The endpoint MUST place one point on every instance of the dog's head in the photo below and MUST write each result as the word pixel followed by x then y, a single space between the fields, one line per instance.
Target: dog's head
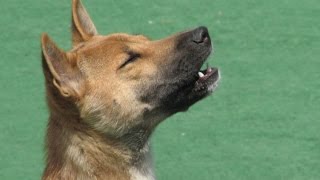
pixel 121 81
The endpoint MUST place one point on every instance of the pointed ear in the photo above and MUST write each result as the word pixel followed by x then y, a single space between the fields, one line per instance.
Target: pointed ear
pixel 82 25
pixel 63 67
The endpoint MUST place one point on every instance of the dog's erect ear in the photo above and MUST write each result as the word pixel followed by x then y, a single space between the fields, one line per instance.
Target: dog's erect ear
pixel 82 25
pixel 63 67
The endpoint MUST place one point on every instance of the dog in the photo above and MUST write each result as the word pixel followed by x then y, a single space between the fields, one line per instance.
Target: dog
pixel 108 93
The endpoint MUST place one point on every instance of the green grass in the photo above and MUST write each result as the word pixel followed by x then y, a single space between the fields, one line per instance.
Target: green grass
pixel 263 122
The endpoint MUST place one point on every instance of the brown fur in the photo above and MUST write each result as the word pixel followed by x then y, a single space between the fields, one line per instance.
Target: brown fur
pixel 99 126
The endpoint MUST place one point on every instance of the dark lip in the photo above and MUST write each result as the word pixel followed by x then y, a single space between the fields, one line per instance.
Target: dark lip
pixel 209 72
pixel 211 78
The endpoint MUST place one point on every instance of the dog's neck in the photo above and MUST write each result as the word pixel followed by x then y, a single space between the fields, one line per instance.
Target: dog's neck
pixel 76 151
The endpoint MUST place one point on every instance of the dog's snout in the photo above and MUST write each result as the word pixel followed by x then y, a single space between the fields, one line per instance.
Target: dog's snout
pixel 200 35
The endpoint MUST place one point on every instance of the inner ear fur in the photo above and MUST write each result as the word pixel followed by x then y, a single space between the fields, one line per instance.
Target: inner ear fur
pixel 82 26
pixel 63 67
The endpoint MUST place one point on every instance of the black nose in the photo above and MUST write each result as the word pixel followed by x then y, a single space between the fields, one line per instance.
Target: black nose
pixel 200 35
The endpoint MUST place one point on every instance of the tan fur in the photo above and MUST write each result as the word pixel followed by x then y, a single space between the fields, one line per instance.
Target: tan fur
pixel 108 93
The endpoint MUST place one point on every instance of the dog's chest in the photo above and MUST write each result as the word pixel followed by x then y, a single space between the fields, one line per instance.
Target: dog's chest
pixel 144 169
pixel 141 175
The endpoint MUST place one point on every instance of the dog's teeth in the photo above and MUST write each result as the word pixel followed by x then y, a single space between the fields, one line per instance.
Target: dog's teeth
pixel 200 74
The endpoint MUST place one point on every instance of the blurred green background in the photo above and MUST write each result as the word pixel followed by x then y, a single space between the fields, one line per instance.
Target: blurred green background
pixel 263 122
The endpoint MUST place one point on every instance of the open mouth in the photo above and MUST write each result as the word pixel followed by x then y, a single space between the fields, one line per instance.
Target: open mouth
pixel 207 79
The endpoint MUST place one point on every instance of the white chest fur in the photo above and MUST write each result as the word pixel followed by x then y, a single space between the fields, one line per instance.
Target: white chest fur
pixel 139 175
pixel 143 171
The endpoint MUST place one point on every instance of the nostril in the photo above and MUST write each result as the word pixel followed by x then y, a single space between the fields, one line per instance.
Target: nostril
pixel 200 35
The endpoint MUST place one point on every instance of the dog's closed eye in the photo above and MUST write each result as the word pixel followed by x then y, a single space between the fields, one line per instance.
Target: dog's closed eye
pixel 132 56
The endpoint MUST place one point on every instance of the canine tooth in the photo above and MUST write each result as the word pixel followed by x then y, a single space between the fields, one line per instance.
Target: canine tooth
pixel 200 74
